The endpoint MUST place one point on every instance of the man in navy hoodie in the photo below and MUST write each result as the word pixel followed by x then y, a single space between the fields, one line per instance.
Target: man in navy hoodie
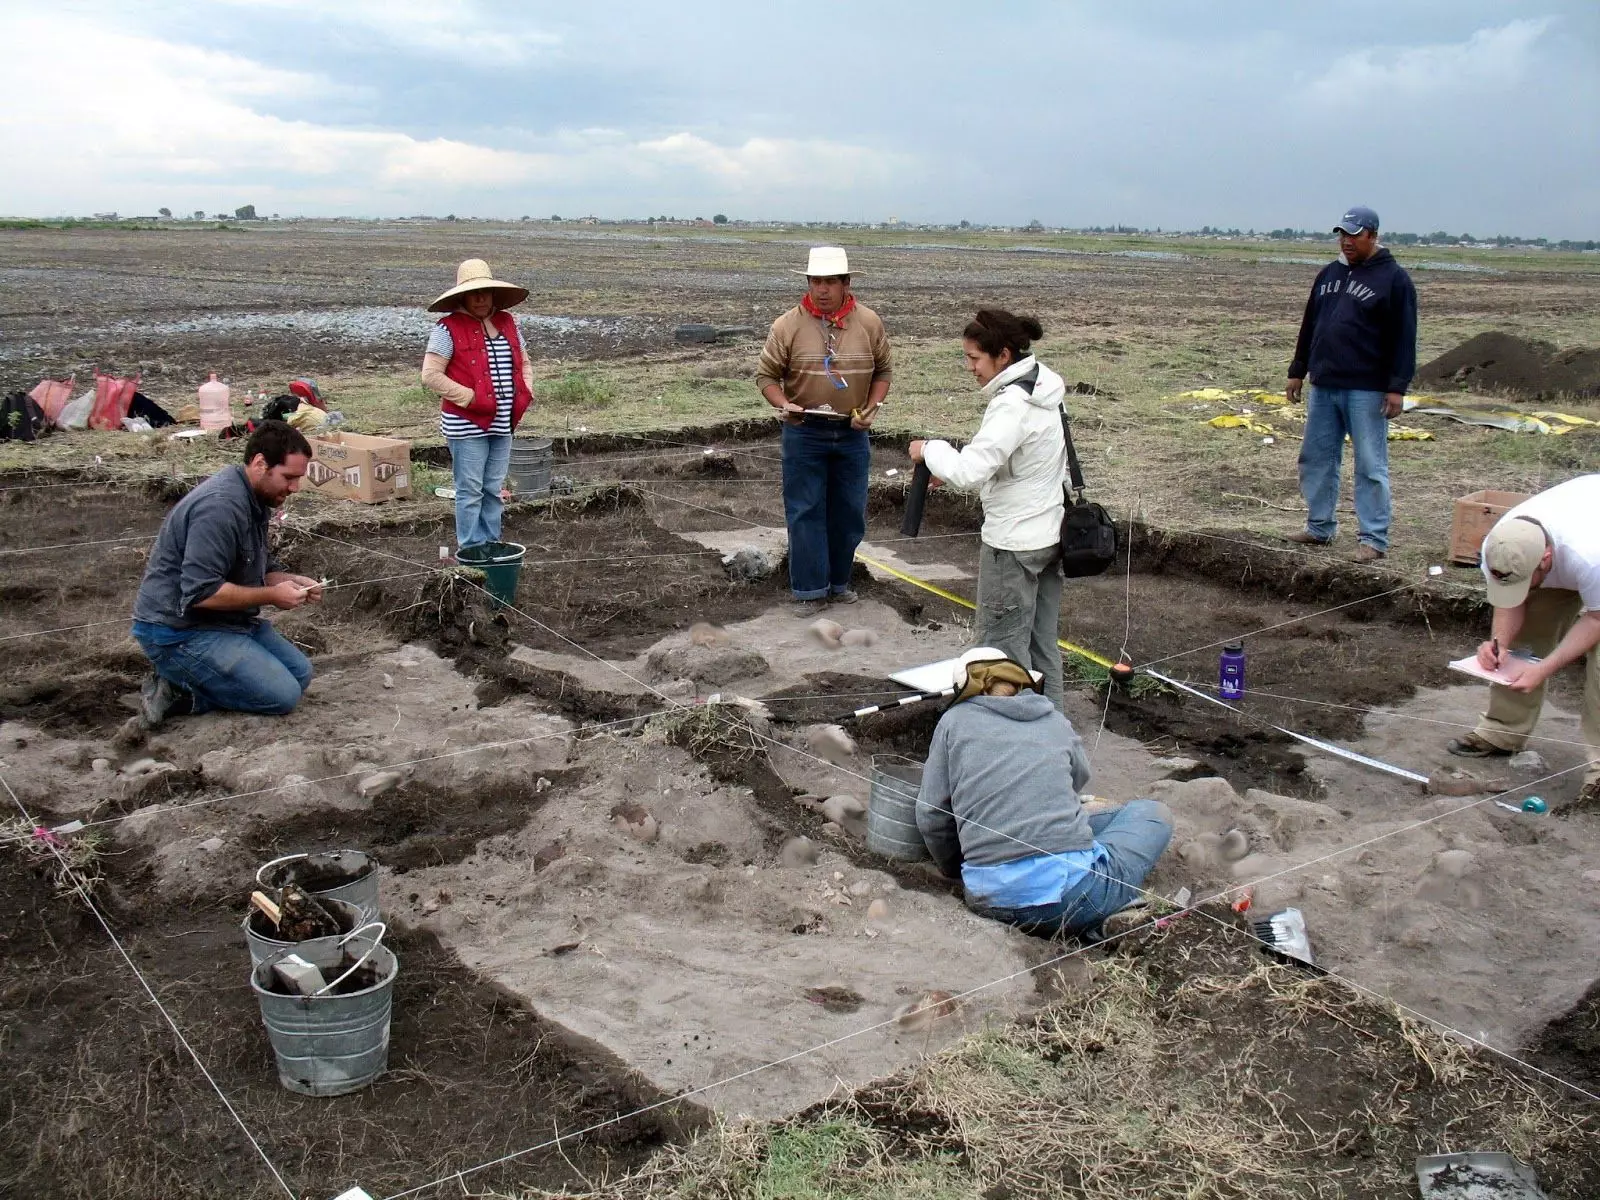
pixel 1358 342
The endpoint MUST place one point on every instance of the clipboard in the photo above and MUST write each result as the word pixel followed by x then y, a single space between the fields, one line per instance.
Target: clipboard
pixel 1469 666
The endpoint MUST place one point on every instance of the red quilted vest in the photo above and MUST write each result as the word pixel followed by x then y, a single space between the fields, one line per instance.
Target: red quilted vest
pixel 469 366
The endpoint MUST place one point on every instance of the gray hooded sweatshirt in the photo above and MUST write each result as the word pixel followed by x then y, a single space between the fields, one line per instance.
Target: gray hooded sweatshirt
pixel 1011 764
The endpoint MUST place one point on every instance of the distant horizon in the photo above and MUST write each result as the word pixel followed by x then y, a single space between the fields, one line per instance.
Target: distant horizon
pixel 1279 233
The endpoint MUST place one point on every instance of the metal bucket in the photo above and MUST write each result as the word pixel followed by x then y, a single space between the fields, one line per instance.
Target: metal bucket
pixel 328 1044
pixel 892 808
pixel 316 873
pixel 529 470
pixel 259 932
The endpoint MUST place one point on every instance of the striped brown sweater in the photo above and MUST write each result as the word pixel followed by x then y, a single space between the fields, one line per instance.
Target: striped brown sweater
pixel 795 348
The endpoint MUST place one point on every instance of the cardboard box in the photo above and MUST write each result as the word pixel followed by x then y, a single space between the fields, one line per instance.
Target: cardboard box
pixel 356 466
pixel 1476 514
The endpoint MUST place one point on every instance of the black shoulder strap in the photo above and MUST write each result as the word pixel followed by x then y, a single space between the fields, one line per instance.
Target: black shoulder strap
pixel 1074 471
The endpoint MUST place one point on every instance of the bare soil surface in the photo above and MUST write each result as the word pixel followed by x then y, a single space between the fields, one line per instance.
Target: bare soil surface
pixel 1499 362
pixel 590 919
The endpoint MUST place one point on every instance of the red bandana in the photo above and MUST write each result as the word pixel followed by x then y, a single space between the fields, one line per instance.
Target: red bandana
pixel 836 319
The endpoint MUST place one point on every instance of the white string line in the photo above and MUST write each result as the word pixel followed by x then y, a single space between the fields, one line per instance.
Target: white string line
pixel 1376 712
pixel 1127 632
pixel 143 537
pixel 83 894
pixel 1269 628
pixel 11 637
pixel 163 810
pixel 1194 906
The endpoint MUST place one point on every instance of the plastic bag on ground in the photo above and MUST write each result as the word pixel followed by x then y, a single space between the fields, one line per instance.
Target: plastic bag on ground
pixel 75 413
pixel 51 395
pixel 112 399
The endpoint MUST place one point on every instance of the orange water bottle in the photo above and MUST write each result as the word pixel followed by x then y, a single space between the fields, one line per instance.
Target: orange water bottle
pixel 215 411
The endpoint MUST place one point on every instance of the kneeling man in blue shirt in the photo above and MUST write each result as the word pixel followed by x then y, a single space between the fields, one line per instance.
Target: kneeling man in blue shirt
pixel 197 616
pixel 999 808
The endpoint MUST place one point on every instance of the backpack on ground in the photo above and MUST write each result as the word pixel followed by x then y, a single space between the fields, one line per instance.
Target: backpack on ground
pixel 21 419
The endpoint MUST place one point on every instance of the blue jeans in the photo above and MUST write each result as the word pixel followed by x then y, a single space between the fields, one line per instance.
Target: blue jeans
pixel 824 504
pixel 479 466
pixel 1330 414
pixel 257 672
pixel 1133 837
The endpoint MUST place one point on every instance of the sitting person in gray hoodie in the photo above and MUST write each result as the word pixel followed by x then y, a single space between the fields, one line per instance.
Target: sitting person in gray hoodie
pixel 999 808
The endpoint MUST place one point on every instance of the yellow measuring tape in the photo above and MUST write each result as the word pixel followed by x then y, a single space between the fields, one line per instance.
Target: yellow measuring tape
pixel 968 604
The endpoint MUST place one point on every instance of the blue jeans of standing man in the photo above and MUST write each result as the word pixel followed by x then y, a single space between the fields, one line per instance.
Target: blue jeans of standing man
pixel 1331 413
pixel 824 504
pixel 479 465
pixel 260 671
pixel 1133 838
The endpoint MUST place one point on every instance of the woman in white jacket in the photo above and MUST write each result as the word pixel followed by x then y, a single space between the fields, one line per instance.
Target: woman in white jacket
pixel 1016 462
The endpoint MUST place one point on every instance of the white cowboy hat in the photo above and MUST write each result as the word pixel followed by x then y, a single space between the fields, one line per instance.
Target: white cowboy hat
pixel 474 276
pixel 825 261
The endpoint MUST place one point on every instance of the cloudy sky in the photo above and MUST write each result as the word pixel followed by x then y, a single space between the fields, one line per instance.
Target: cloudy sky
pixel 1466 115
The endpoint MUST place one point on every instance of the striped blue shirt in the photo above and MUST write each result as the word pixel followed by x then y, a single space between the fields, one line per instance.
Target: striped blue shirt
pixel 502 374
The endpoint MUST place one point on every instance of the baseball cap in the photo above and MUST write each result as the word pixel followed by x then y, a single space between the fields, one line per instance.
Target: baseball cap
pixel 1511 554
pixel 1356 219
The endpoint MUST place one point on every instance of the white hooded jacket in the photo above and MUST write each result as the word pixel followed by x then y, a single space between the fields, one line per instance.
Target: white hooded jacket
pixel 1017 461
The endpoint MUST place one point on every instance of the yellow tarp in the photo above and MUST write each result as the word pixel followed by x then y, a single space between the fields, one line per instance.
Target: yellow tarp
pixel 1404 433
pixel 1229 421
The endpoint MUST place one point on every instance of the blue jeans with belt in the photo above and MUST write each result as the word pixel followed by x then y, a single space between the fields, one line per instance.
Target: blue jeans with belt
pixel 1133 838
pixel 254 671
pixel 1331 413
pixel 824 503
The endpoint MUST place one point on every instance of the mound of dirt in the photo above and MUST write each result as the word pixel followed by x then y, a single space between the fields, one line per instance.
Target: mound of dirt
pixel 1502 363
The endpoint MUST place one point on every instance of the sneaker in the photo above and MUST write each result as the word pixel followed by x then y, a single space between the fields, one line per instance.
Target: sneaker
pixel 808 608
pixel 159 699
pixel 1473 746
pixel 1306 538
pixel 1366 554
pixel 848 596
pixel 1135 917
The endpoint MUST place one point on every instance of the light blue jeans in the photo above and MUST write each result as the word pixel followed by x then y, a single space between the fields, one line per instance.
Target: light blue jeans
pixel 478 465
pixel 256 672
pixel 1331 413
pixel 1134 837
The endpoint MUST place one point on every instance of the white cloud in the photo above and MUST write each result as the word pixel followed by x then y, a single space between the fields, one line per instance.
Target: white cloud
pixel 468 32
pixel 1489 58
pixel 145 122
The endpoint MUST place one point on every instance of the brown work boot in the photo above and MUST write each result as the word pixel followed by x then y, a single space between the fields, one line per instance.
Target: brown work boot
pixel 1473 746
pixel 1366 554
pixel 1306 538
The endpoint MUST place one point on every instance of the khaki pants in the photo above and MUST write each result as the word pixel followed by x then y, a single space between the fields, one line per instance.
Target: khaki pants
pixel 1512 715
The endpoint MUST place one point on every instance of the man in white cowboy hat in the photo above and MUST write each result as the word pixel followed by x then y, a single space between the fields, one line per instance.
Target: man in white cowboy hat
pixel 477 365
pixel 1541 565
pixel 825 371
pixel 999 808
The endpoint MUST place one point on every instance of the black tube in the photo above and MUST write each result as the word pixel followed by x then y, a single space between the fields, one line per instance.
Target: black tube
pixel 916 500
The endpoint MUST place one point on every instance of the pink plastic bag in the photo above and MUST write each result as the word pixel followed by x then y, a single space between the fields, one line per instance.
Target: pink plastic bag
pixel 52 395
pixel 112 398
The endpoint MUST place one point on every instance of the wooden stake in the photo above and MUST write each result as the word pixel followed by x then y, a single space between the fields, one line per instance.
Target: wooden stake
pixel 262 901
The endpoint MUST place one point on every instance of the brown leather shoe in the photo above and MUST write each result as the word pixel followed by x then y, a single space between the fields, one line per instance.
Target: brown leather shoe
pixel 1307 538
pixel 1366 554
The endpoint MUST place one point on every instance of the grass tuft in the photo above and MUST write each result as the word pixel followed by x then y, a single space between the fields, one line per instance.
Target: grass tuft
pixel 576 389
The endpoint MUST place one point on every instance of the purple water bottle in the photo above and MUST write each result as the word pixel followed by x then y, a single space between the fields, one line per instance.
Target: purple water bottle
pixel 1230 672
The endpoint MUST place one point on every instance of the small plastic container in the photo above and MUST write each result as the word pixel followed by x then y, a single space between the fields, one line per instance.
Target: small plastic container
pixel 1230 672
pixel 215 412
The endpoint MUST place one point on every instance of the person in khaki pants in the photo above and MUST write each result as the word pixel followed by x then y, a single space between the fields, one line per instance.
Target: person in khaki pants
pixel 1541 563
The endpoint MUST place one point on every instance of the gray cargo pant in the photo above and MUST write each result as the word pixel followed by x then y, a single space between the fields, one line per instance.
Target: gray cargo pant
pixel 1019 609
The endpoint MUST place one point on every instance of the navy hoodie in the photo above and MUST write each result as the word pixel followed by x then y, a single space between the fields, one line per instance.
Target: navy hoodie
pixel 1360 327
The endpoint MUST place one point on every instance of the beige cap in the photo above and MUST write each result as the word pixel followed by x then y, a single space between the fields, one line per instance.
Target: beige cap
pixel 826 261
pixel 1511 554
pixel 474 276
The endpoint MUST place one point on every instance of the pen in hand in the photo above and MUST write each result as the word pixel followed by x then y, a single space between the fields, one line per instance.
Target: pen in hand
pixel 1494 648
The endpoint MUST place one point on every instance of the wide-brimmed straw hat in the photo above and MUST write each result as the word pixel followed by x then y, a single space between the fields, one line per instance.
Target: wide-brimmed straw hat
pixel 975 670
pixel 826 261
pixel 474 276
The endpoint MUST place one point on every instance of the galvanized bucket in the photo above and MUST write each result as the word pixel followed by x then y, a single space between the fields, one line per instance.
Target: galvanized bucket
pixel 262 937
pixel 529 468
pixel 331 1043
pixel 892 808
pixel 315 873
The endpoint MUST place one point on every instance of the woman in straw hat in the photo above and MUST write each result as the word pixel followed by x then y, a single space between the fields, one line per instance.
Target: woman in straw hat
pixel 478 367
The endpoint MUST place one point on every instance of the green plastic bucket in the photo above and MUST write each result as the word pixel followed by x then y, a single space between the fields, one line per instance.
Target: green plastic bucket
pixel 501 564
